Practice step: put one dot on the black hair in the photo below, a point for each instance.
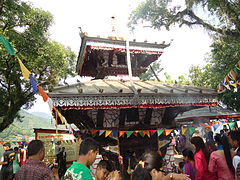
(200, 145)
(235, 136)
(222, 140)
(221, 131)
(188, 153)
(105, 164)
(7, 144)
(15, 149)
(181, 164)
(87, 145)
(151, 160)
(34, 147)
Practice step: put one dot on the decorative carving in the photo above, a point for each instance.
(90, 101)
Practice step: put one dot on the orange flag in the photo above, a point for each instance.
(107, 133)
(43, 94)
(121, 133)
(167, 131)
(146, 132)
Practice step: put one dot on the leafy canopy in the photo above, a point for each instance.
(218, 16)
(221, 18)
(26, 28)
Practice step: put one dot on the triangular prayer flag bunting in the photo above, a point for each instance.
(146, 132)
(184, 130)
(167, 131)
(216, 126)
(114, 132)
(25, 71)
(135, 133)
(238, 123)
(152, 132)
(61, 117)
(107, 133)
(160, 131)
(50, 103)
(7, 45)
(94, 131)
(231, 125)
(141, 133)
(129, 133)
(121, 133)
(101, 132)
(43, 94)
(192, 130)
(33, 83)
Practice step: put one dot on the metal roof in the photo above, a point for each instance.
(115, 93)
(215, 112)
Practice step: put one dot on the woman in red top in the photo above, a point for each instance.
(201, 158)
(23, 155)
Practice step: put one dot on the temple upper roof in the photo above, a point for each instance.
(100, 57)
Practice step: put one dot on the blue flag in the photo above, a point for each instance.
(34, 83)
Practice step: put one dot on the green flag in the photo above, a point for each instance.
(7, 45)
(231, 125)
(141, 133)
(192, 130)
(160, 131)
(129, 133)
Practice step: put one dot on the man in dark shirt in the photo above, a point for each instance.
(61, 160)
(6, 172)
(35, 169)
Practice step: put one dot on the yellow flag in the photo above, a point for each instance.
(24, 70)
(61, 117)
(107, 133)
(184, 129)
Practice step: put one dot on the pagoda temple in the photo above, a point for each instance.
(112, 101)
(108, 102)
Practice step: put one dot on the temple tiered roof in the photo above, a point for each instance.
(99, 57)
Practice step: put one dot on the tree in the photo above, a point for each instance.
(26, 28)
(223, 16)
(219, 17)
(152, 72)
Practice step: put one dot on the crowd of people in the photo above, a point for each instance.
(218, 160)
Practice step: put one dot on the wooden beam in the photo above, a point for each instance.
(122, 117)
(100, 118)
(148, 116)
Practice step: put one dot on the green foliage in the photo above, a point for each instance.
(220, 17)
(223, 16)
(168, 78)
(26, 28)
(202, 76)
(23, 129)
(149, 74)
(183, 81)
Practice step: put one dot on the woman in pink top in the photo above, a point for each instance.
(221, 160)
(201, 159)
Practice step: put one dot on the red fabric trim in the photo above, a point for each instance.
(140, 106)
(210, 117)
(124, 50)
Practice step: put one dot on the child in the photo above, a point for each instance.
(188, 167)
(180, 167)
(103, 169)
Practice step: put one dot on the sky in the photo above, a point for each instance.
(189, 45)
